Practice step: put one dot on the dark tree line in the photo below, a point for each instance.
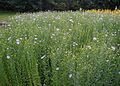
(38, 5)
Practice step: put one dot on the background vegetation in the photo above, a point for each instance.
(37, 5)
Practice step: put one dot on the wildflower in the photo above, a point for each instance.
(94, 38)
(8, 57)
(106, 35)
(107, 60)
(57, 68)
(116, 8)
(113, 34)
(9, 38)
(39, 27)
(57, 29)
(80, 9)
(43, 57)
(70, 75)
(70, 29)
(40, 41)
(113, 48)
(8, 25)
(75, 44)
(53, 34)
(71, 20)
(89, 47)
(36, 38)
(35, 42)
(49, 24)
(35, 35)
(17, 41)
(44, 84)
(20, 38)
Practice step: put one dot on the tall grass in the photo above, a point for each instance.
(60, 49)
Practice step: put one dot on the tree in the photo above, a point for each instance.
(38, 5)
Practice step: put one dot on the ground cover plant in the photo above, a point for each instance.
(60, 49)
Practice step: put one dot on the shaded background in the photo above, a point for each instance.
(42, 5)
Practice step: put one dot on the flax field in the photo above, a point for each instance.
(60, 49)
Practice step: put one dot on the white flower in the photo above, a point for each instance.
(75, 44)
(57, 68)
(35, 35)
(116, 8)
(17, 41)
(39, 27)
(70, 29)
(113, 34)
(113, 48)
(53, 34)
(36, 38)
(89, 47)
(9, 38)
(44, 84)
(35, 42)
(71, 20)
(49, 24)
(53, 21)
(80, 9)
(107, 60)
(106, 35)
(21, 38)
(118, 72)
(70, 75)
(43, 57)
(57, 29)
(94, 38)
(8, 57)
(8, 25)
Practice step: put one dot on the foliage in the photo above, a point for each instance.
(38, 5)
(60, 49)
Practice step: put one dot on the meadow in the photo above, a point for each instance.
(60, 49)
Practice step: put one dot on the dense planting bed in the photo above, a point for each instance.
(60, 49)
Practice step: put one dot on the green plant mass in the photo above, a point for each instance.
(60, 49)
(38, 5)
